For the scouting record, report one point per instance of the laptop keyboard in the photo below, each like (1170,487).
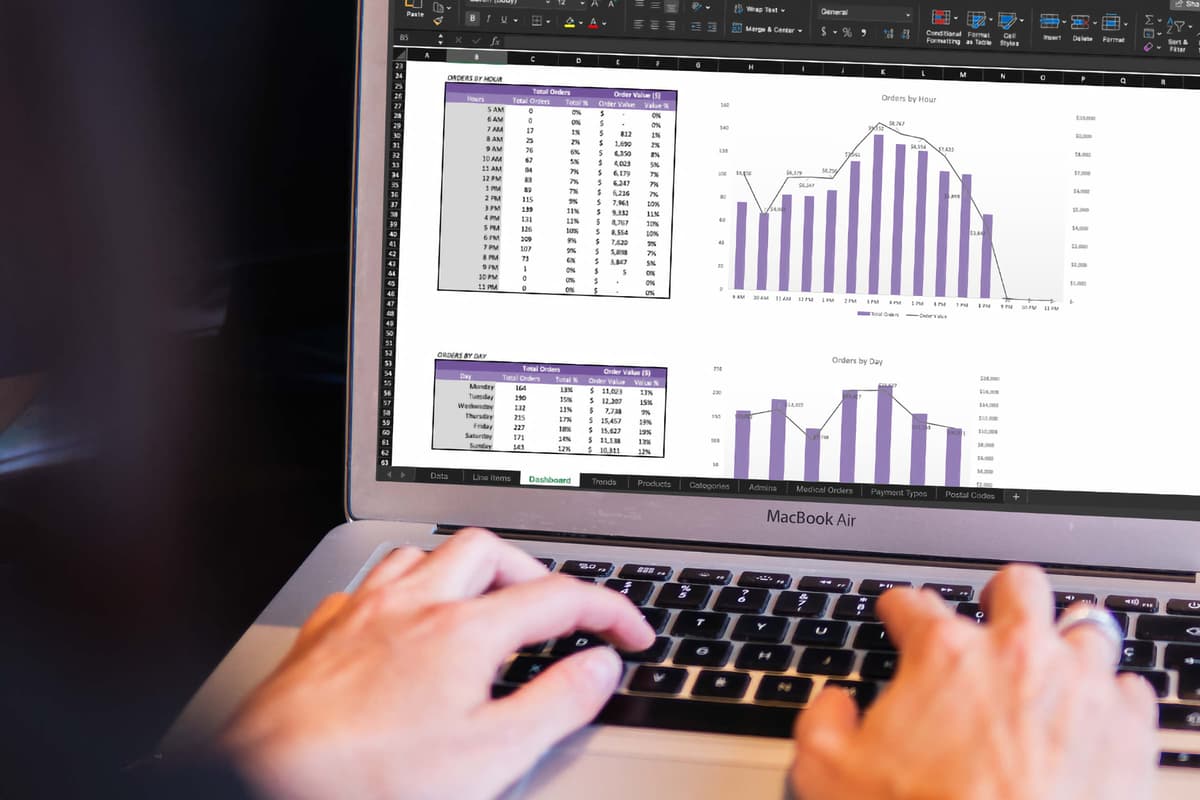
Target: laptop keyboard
(742,653)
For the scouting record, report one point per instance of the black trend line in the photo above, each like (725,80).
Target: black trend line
(854,151)
(836,408)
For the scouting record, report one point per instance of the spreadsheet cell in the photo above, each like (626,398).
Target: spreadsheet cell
(557,190)
(566,409)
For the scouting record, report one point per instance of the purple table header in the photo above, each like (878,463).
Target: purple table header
(554,374)
(562,96)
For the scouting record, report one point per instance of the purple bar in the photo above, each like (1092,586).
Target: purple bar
(778,438)
(562,96)
(919,240)
(852,234)
(812,454)
(876,215)
(920,430)
(985,277)
(741,444)
(830,236)
(764,233)
(739,253)
(806,272)
(943,222)
(785,245)
(954,456)
(883,435)
(898,219)
(964,237)
(849,427)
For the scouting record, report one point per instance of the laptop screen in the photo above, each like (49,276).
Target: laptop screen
(807,253)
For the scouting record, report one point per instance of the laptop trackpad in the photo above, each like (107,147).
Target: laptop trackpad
(604,762)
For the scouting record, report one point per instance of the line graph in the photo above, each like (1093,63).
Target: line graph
(896,214)
(893,445)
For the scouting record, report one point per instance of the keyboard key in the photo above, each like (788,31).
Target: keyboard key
(715,577)
(767,630)
(683,595)
(855,607)
(730,685)
(700,624)
(657,617)
(1183,607)
(525,668)
(765,580)
(863,692)
(695,714)
(1064,599)
(952,592)
(659,680)
(654,654)
(588,569)
(819,583)
(532,649)
(821,661)
(880,666)
(875,588)
(1123,602)
(1178,718)
(1169,629)
(1182,656)
(1158,680)
(638,592)
(820,632)
(872,636)
(972,611)
(801,604)
(1169,759)
(1189,683)
(703,653)
(575,642)
(645,572)
(749,601)
(1138,654)
(781,689)
(548,563)
(770,657)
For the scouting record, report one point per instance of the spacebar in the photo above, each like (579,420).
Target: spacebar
(691,715)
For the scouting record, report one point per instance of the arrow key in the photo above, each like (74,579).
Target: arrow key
(658,680)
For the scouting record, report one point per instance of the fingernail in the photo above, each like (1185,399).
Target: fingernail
(604,665)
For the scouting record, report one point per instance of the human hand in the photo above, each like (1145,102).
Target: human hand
(386,692)
(1007,710)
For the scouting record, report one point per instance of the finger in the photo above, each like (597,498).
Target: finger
(556,605)
(471,562)
(321,616)
(1018,594)
(557,702)
(1139,697)
(826,726)
(392,567)
(1093,646)
(906,611)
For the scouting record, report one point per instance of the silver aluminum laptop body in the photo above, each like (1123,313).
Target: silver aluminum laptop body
(1155,555)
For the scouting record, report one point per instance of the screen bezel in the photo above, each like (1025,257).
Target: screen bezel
(1084,540)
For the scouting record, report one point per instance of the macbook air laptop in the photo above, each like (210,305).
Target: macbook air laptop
(750,312)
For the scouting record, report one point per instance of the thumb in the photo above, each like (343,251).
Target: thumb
(823,732)
(558,702)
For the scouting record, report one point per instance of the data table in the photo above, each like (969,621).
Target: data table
(557,190)
(568,409)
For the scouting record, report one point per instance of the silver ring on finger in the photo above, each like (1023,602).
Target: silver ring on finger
(1103,620)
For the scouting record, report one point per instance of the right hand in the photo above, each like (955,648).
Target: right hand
(1007,710)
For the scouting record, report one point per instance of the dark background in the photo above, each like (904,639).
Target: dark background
(174,220)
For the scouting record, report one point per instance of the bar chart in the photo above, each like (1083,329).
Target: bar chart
(896,218)
(870,436)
